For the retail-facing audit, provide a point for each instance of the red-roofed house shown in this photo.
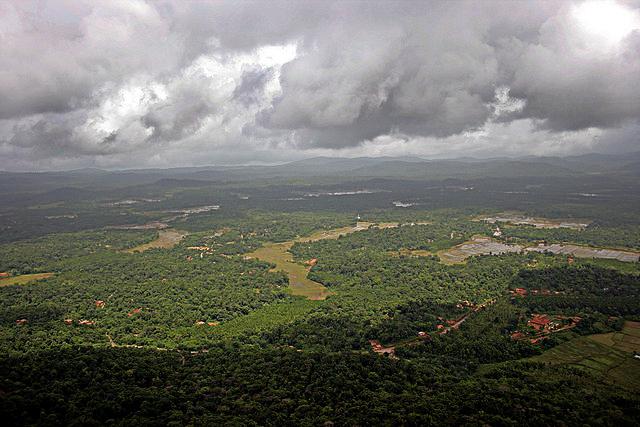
(134, 311)
(539, 321)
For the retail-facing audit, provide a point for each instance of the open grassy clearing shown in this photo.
(343, 231)
(478, 245)
(278, 254)
(24, 278)
(609, 356)
(167, 238)
(410, 252)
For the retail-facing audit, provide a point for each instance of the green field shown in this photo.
(166, 239)
(24, 278)
(278, 254)
(609, 356)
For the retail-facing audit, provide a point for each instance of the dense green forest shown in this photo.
(229, 386)
(198, 331)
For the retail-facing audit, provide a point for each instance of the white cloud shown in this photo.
(134, 83)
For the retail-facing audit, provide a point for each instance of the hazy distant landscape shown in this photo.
(320, 213)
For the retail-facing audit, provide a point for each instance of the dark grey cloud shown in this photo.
(136, 80)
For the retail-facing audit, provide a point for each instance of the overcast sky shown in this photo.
(119, 84)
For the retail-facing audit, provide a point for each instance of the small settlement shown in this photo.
(540, 325)
(443, 327)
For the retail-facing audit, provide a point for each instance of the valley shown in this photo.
(325, 277)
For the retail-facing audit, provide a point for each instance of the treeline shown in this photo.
(583, 289)
(585, 280)
(595, 234)
(266, 226)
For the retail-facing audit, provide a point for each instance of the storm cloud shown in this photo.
(134, 83)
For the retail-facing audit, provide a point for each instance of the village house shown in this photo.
(134, 311)
(100, 304)
(539, 322)
(520, 292)
(4, 274)
(380, 349)
(22, 322)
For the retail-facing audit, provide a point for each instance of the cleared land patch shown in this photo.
(278, 254)
(588, 252)
(482, 245)
(167, 238)
(343, 231)
(518, 219)
(24, 278)
(410, 252)
(607, 355)
(478, 245)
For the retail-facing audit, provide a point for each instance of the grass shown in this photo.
(410, 252)
(167, 238)
(24, 278)
(609, 356)
(299, 284)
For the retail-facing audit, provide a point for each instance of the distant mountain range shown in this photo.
(624, 165)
